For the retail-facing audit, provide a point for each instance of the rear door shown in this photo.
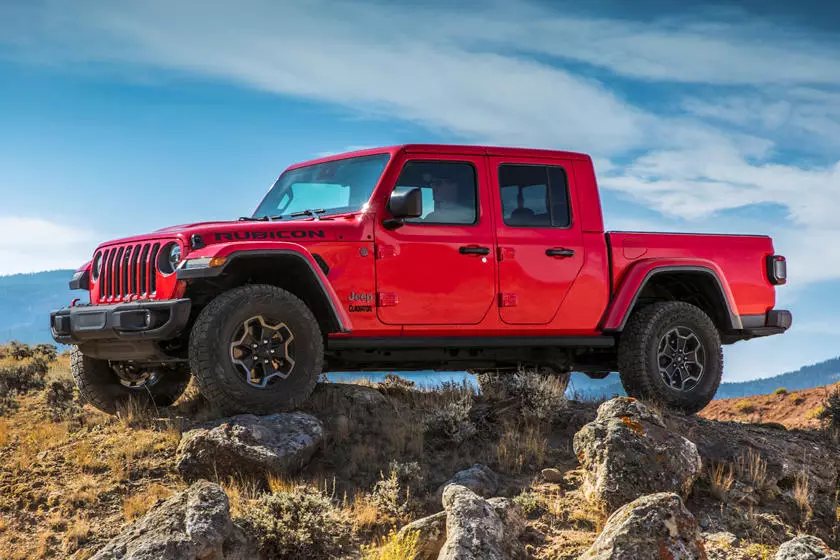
(439, 269)
(540, 244)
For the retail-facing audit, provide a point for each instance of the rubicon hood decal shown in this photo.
(263, 234)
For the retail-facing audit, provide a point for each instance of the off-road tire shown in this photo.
(219, 380)
(494, 384)
(100, 386)
(638, 356)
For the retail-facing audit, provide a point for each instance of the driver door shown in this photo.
(439, 268)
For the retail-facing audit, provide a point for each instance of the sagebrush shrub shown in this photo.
(62, 398)
(451, 423)
(301, 523)
(395, 495)
(829, 413)
(23, 378)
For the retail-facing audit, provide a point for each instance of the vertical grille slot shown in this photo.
(118, 273)
(103, 272)
(153, 268)
(109, 288)
(144, 269)
(132, 267)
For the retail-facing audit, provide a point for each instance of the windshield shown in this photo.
(332, 187)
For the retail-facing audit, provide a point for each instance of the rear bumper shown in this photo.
(773, 322)
(149, 320)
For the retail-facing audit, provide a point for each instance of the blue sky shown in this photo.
(118, 118)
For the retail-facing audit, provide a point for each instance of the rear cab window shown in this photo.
(534, 196)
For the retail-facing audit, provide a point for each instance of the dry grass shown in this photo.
(721, 479)
(752, 468)
(4, 433)
(364, 513)
(801, 495)
(138, 504)
(394, 546)
(744, 407)
(77, 535)
(521, 447)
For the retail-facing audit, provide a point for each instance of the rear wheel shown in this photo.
(256, 348)
(670, 353)
(106, 387)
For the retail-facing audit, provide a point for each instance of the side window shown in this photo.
(449, 191)
(534, 196)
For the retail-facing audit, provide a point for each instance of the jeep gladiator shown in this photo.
(416, 257)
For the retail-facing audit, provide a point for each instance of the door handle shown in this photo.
(473, 250)
(560, 252)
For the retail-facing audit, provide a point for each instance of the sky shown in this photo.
(118, 117)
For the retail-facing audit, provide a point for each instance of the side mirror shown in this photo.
(402, 205)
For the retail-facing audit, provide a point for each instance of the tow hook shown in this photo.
(73, 303)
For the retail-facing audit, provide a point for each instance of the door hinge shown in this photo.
(383, 251)
(387, 299)
(507, 253)
(507, 299)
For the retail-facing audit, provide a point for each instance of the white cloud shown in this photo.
(35, 244)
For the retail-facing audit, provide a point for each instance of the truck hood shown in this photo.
(299, 230)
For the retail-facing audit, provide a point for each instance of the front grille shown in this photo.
(128, 271)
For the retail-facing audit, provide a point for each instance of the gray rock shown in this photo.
(552, 475)
(192, 525)
(650, 528)
(431, 534)
(249, 445)
(806, 548)
(628, 452)
(478, 478)
(477, 529)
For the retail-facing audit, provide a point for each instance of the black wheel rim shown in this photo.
(681, 359)
(262, 351)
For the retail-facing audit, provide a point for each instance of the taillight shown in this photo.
(777, 269)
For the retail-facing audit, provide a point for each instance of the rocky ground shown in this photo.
(388, 471)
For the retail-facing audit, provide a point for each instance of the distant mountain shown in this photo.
(27, 299)
(807, 377)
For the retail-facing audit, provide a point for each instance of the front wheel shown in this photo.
(106, 387)
(256, 349)
(670, 353)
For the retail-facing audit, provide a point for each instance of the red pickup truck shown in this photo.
(416, 257)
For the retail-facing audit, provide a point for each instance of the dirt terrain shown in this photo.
(794, 409)
(71, 478)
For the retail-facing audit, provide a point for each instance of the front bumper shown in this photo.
(147, 320)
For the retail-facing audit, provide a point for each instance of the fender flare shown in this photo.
(232, 253)
(642, 272)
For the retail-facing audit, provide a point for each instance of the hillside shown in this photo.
(76, 483)
(793, 409)
(26, 301)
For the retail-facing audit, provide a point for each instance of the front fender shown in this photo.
(226, 253)
(641, 273)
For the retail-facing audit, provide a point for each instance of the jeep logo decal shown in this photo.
(281, 234)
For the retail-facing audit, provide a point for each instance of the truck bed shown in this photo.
(741, 258)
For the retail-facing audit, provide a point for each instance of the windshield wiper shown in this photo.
(249, 219)
(309, 212)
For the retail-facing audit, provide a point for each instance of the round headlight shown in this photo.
(169, 258)
(97, 266)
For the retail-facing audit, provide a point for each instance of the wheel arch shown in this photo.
(302, 274)
(701, 284)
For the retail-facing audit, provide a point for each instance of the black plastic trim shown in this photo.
(469, 342)
(197, 273)
(148, 320)
(80, 280)
(734, 318)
